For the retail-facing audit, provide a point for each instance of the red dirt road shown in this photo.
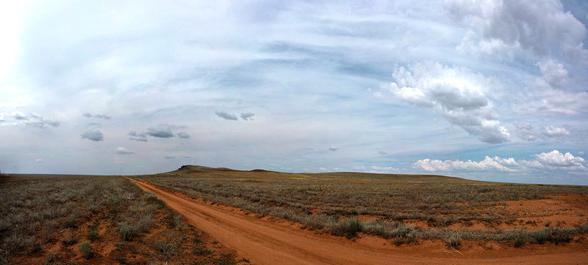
(266, 242)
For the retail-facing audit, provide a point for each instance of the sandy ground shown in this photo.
(263, 241)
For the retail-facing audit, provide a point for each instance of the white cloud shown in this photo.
(97, 116)
(553, 160)
(552, 131)
(556, 159)
(27, 119)
(123, 151)
(456, 93)
(489, 163)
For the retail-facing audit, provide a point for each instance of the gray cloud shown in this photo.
(526, 132)
(554, 73)
(543, 27)
(160, 132)
(226, 116)
(135, 136)
(93, 135)
(97, 116)
(247, 116)
(183, 135)
(553, 131)
(19, 116)
(163, 131)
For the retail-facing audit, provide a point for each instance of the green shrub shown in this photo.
(86, 250)
(144, 224)
(226, 259)
(582, 228)
(453, 240)
(92, 233)
(126, 231)
(167, 248)
(519, 238)
(348, 228)
(50, 259)
(152, 199)
(201, 250)
(554, 235)
(541, 236)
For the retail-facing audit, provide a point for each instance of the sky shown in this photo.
(491, 90)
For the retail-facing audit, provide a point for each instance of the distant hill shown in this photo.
(188, 169)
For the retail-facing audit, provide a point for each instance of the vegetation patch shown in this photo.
(70, 220)
(402, 208)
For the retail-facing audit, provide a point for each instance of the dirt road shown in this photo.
(266, 242)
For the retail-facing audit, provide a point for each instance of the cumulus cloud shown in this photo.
(489, 163)
(93, 135)
(123, 151)
(226, 116)
(455, 93)
(527, 132)
(96, 116)
(552, 131)
(27, 119)
(554, 160)
(540, 31)
(247, 116)
(542, 27)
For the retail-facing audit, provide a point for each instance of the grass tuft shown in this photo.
(86, 250)
(348, 228)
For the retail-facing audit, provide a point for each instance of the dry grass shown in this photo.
(97, 220)
(333, 202)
